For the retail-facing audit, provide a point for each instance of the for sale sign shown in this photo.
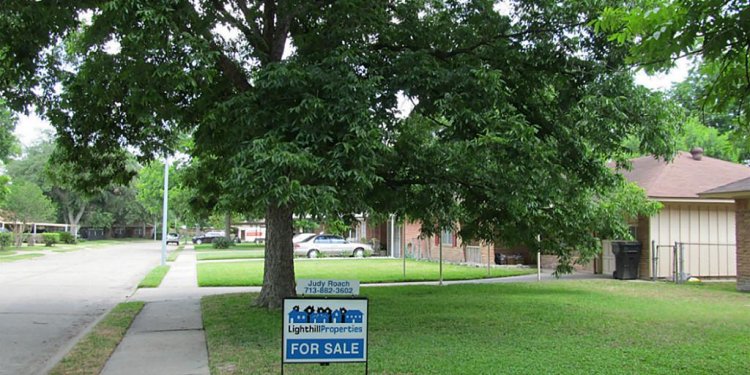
(324, 330)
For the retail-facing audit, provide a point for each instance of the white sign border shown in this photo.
(284, 323)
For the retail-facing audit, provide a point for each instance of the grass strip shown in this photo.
(155, 277)
(91, 353)
(569, 327)
(7, 252)
(174, 254)
(230, 254)
(237, 246)
(13, 258)
(364, 270)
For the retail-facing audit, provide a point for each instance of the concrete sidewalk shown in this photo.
(167, 336)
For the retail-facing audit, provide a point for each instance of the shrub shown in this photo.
(50, 238)
(67, 238)
(5, 240)
(222, 243)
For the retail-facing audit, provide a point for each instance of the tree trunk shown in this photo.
(228, 226)
(18, 227)
(74, 219)
(278, 273)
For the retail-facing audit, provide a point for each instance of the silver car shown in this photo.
(329, 244)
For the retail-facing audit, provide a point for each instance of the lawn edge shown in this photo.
(55, 365)
(157, 275)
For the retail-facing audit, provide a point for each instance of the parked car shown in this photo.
(173, 238)
(330, 244)
(299, 237)
(208, 237)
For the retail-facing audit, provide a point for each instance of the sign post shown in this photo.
(325, 330)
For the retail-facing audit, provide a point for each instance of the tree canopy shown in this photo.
(293, 107)
(715, 33)
(9, 145)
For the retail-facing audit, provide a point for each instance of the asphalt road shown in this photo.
(47, 302)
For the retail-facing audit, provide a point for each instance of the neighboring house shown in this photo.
(394, 238)
(703, 227)
(739, 191)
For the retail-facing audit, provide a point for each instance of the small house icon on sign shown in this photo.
(296, 316)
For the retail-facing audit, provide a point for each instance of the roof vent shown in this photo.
(697, 153)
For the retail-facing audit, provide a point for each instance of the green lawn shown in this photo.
(364, 270)
(230, 254)
(571, 327)
(155, 277)
(91, 353)
(13, 258)
(237, 246)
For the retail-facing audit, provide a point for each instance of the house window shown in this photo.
(446, 237)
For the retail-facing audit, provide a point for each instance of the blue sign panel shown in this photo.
(324, 330)
(325, 350)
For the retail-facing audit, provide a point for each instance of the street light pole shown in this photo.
(164, 212)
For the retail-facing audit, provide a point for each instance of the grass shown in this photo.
(154, 278)
(237, 246)
(175, 253)
(13, 258)
(230, 254)
(364, 270)
(571, 327)
(82, 244)
(7, 252)
(91, 353)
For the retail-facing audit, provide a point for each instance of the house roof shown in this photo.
(737, 189)
(684, 177)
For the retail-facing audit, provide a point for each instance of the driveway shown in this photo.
(47, 302)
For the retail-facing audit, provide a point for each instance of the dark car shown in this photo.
(207, 237)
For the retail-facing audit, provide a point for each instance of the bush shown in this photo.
(6, 240)
(222, 243)
(50, 238)
(67, 238)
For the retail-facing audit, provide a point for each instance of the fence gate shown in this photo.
(681, 260)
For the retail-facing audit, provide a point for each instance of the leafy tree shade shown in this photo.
(694, 134)
(514, 114)
(658, 32)
(54, 180)
(99, 219)
(150, 192)
(9, 145)
(27, 203)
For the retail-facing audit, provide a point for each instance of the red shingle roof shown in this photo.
(684, 177)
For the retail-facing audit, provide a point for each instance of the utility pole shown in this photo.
(164, 212)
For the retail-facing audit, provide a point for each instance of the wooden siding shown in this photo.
(707, 230)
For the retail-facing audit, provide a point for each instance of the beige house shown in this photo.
(701, 228)
(739, 191)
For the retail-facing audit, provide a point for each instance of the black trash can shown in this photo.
(627, 259)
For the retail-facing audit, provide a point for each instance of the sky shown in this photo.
(30, 128)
